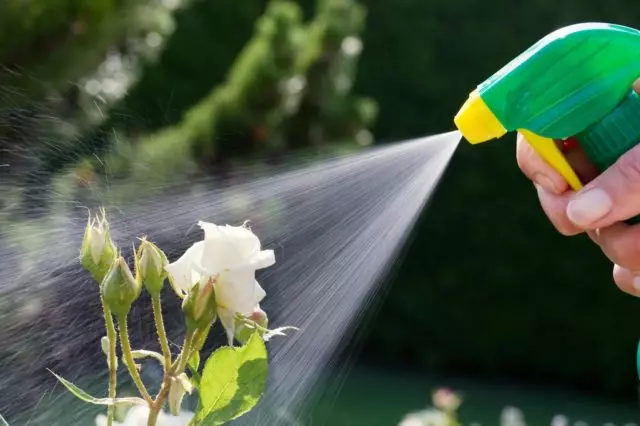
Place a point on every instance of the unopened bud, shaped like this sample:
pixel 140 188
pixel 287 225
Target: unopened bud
pixel 150 265
pixel 244 331
pixel 180 386
pixel 199 306
pixel 119 288
pixel 97 252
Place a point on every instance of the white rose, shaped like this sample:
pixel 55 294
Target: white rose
pixel 229 256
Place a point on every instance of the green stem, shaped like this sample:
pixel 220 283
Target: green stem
pixel 170 371
pixel 153 416
pixel 162 334
pixel 189 342
pixel 112 360
pixel 128 358
pixel 183 355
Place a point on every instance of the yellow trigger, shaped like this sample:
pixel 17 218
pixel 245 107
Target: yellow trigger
pixel 548 150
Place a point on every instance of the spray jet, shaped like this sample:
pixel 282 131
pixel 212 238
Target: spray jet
pixel 574 83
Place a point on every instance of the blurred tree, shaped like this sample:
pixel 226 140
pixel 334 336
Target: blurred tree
pixel 240 117
pixel 328 61
pixel 249 114
pixel 62 66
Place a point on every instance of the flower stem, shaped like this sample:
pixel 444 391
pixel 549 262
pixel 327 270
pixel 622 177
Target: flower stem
pixel 183 358
pixel 153 415
pixel 128 358
pixel 162 334
pixel 112 360
pixel 169 372
pixel 181 363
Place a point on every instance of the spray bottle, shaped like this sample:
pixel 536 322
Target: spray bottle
pixel 575 82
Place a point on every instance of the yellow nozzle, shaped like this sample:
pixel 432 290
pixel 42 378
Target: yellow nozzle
pixel 476 122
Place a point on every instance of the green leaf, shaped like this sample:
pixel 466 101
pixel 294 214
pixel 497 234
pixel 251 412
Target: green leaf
pixel 233 380
pixel 84 396
pixel 194 361
pixel 3 422
pixel 195 377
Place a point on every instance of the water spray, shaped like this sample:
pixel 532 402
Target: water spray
pixel 573 83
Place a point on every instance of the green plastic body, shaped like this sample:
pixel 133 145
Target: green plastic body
pixel 568 83
pixel 577 82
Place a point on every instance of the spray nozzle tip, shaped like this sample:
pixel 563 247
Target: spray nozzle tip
pixel 476 122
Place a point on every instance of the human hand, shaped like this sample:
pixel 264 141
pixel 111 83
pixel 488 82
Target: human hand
pixel 598 209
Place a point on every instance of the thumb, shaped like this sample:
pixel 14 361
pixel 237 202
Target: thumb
pixel 612 197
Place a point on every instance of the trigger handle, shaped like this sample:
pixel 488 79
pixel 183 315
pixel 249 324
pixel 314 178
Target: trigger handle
pixel 550 152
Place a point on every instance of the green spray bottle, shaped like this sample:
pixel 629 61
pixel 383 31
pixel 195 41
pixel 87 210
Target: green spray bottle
pixel 575 82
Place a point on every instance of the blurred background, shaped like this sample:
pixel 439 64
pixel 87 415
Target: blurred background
pixel 488 298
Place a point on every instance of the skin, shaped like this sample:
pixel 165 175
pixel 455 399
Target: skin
pixel 621 183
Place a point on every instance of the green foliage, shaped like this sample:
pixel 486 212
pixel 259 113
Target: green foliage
pixel 208 37
pixel 58 42
pixel 233 380
pixel 327 110
pixel 242 113
pixel 252 112
pixel 84 396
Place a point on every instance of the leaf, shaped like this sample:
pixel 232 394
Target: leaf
pixel 194 361
pixel 84 396
pixel 3 422
pixel 233 380
pixel 277 332
pixel 142 353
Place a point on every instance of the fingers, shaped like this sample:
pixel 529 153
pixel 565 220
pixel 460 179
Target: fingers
pixel 540 172
pixel 621 244
pixel 626 280
pixel 537 169
pixel 553 191
pixel 612 197
pixel 555 207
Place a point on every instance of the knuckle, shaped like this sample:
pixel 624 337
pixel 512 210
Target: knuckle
pixel 629 168
pixel 624 252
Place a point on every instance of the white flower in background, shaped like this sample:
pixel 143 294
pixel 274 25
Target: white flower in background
pixel 429 417
pixel 559 420
pixel 351 46
pixel 512 416
pixel 228 257
pixel 138 416
pixel 446 400
pixel 411 421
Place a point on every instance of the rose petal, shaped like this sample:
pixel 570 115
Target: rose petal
pixel 245 241
pixel 259 293
pixel 236 290
pixel 97 241
pixel 182 270
pixel 263 259
pixel 228 322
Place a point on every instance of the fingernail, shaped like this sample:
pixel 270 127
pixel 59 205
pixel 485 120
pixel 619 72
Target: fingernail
pixel 545 182
pixel 589 206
